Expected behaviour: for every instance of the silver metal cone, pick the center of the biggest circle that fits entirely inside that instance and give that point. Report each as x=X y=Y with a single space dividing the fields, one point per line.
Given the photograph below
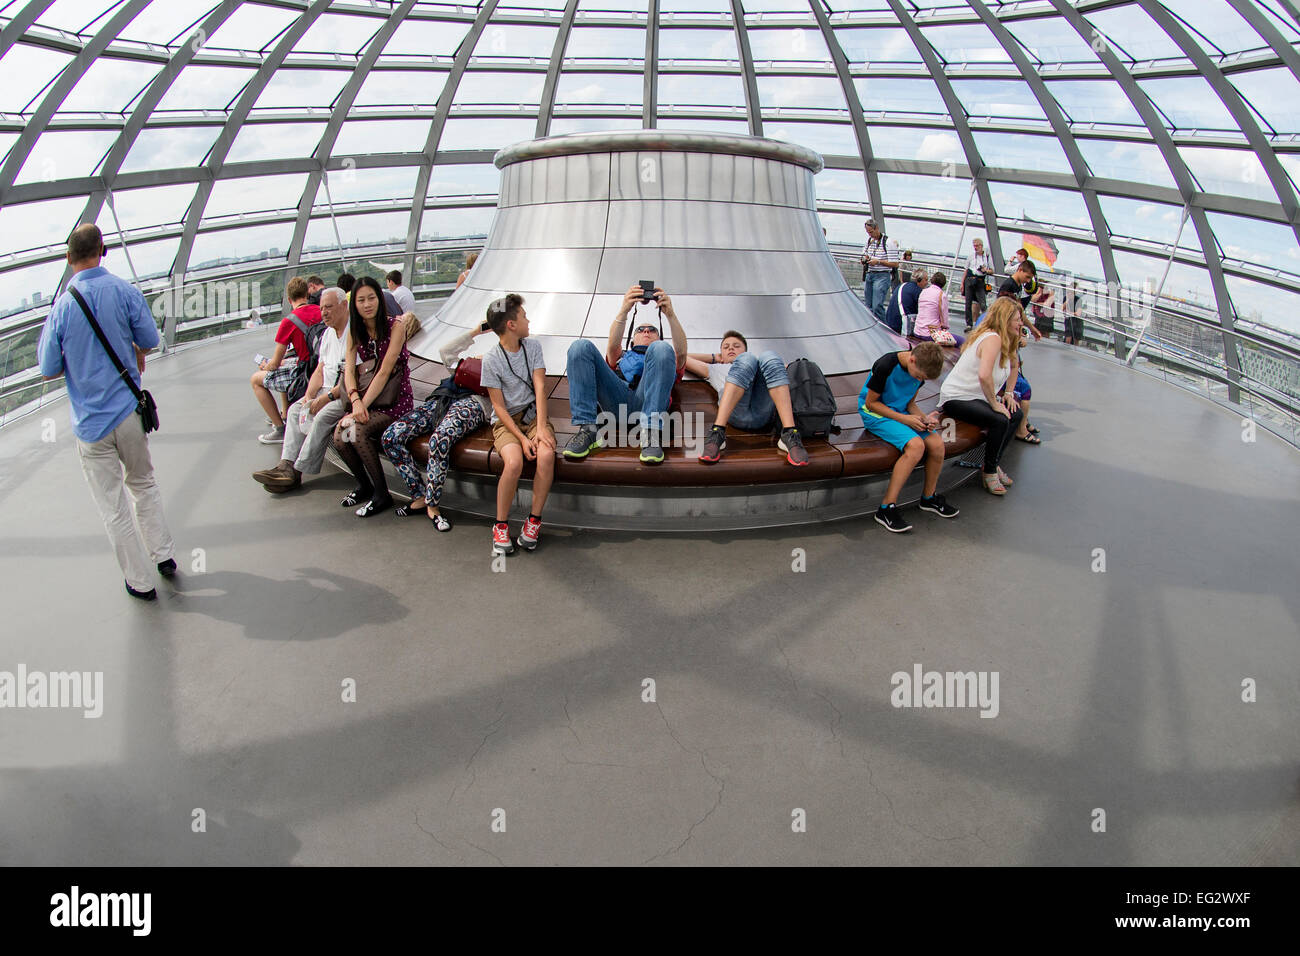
x=726 y=225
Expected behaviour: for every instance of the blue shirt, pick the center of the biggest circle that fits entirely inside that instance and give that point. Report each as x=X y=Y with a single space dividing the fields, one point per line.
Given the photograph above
x=100 y=399
x=895 y=385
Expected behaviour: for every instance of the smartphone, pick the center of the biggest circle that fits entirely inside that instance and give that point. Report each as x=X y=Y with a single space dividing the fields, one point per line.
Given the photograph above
x=647 y=290
x=259 y=358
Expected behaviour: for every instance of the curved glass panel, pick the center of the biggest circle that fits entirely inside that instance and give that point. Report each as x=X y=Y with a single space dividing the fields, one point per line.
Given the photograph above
x=913 y=150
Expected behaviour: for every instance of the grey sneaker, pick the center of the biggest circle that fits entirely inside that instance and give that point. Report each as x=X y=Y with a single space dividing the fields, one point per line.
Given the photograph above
x=792 y=444
x=714 y=445
x=581 y=444
x=274 y=437
x=652 y=454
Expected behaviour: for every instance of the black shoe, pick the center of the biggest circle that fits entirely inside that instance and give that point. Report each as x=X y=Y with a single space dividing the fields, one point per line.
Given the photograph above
x=374 y=506
x=889 y=516
x=714 y=445
x=581 y=444
x=167 y=568
x=355 y=497
x=150 y=595
x=938 y=505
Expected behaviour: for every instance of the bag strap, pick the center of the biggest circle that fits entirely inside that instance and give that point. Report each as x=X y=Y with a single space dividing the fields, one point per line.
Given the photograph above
x=528 y=365
x=103 y=340
x=302 y=327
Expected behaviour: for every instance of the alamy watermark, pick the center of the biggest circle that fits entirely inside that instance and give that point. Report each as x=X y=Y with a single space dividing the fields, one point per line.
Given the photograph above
x=665 y=429
x=207 y=299
x=72 y=690
x=946 y=689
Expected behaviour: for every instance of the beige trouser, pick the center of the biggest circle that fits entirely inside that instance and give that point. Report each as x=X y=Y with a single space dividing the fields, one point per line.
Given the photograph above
x=117 y=464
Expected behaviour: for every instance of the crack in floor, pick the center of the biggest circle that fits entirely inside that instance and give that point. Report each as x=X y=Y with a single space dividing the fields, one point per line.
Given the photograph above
x=717 y=801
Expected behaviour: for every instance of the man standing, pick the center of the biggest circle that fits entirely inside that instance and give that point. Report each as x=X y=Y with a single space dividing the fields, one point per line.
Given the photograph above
x=315 y=286
x=880 y=258
x=978 y=268
x=111 y=440
x=303 y=450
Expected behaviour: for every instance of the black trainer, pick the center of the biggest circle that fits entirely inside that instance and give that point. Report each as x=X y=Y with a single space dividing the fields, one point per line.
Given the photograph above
x=581 y=444
x=892 y=519
x=938 y=505
x=167 y=568
x=714 y=445
x=150 y=595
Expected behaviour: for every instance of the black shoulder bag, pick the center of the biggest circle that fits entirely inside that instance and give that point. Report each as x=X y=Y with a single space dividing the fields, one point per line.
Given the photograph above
x=145 y=407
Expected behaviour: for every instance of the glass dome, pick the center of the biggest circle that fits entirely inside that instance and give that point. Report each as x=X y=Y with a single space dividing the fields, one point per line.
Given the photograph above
x=214 y=136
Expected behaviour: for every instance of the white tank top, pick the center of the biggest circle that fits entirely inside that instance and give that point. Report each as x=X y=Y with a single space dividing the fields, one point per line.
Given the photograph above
x=963 y=382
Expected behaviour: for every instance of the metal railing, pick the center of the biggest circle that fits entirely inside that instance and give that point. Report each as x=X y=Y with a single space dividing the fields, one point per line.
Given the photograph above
x=1256 y=375
x=1253 y=373
x=213 y=304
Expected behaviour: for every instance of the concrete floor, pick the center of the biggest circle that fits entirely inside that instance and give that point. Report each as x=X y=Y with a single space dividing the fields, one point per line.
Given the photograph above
x=522 y=691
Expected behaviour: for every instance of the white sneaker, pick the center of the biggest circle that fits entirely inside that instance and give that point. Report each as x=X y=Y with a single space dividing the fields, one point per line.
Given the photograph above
x=274 y=437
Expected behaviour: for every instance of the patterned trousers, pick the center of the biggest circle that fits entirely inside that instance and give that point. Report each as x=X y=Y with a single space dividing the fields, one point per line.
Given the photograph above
x=463 y=417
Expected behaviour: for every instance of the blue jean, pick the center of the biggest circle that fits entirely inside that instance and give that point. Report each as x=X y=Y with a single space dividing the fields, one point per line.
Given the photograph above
x=593 y=383
x=875 y=292
x=757 y=375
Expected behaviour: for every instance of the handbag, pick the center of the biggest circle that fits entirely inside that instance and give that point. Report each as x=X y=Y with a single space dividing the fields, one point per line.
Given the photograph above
x=469 y=372
x=392 y=388
x=145 y=406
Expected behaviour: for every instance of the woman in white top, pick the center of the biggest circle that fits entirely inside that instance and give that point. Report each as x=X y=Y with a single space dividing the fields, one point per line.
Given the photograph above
x=932 y=314
x=970 y=392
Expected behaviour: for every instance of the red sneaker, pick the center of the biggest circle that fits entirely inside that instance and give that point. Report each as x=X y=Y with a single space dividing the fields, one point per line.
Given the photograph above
x=532 y=529
x=501 y=539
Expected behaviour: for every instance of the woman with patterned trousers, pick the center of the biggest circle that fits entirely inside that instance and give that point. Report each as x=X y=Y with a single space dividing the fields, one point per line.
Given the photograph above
x=464 y=417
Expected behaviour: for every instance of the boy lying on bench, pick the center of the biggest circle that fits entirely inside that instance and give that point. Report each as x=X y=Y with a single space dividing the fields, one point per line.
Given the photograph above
x=752 y=391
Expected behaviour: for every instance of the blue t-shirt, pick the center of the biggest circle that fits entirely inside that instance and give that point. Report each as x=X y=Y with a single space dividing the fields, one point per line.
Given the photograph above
x=100 y=399
x=892 y=382
x=631 y=365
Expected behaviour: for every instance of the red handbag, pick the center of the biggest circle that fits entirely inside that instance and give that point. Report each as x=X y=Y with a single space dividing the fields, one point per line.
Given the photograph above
x=468 y=373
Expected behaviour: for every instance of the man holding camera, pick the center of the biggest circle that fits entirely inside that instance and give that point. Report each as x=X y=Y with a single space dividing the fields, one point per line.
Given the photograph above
x=978 y=268
x=637 y=373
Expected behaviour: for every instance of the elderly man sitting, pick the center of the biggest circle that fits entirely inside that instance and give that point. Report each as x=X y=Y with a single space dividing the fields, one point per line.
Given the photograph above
x=309 y=423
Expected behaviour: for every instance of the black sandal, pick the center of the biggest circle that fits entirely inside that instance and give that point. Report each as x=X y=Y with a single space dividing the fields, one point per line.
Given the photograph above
x=1032 y=429
x=373 y=507
x=354 y=498
x=406 y=511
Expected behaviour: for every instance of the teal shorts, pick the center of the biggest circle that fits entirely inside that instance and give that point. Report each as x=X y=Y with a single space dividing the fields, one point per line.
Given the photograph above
x=896 y=433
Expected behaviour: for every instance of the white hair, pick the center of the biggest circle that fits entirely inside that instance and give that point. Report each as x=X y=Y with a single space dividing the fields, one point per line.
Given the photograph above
x=339 y=294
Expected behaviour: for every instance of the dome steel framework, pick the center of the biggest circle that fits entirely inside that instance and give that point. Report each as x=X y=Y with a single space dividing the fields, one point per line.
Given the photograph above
x=1097 y=123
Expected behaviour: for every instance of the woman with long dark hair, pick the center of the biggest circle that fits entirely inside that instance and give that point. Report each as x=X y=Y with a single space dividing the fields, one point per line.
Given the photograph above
x=380 y=340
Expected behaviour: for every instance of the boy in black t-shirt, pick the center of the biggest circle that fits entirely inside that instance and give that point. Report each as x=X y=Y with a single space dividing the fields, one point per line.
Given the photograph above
x=888 y=408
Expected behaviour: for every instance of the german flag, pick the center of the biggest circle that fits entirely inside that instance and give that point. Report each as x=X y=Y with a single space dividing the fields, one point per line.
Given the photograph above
x=1040 y=248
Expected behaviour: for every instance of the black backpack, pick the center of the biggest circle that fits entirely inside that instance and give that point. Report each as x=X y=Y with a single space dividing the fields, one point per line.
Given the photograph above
x=812 y=400
x=302 y=372
x=444 y=395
